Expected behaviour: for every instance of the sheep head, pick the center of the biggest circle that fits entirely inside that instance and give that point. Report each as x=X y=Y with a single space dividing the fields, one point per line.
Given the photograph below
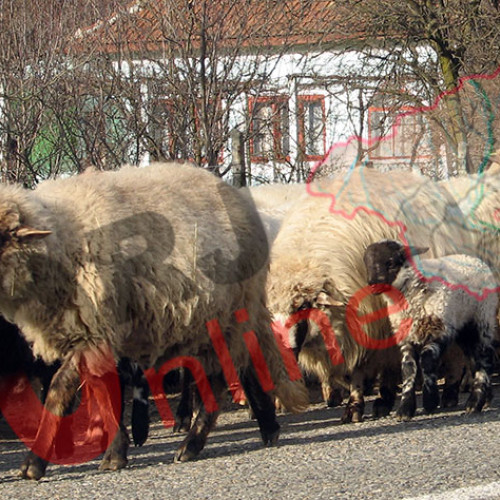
x=13 y=232
x=17 y=243
x=384 y=261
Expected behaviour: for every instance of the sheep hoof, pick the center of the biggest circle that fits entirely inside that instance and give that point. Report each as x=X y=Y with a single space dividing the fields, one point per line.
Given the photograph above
x=403 y=418
x=113 y=464
x=407 y=409
x=475 y=403
x=357 y=417
x=33 y=467
x=346 y=417
x=189 y=450
x=354 y=412
x=270 y=438
x=430 y=399
x=380 y=408
x=115 y=457
x=449 y=399
x=182 y=426
x=334 y=400
x=402 y=415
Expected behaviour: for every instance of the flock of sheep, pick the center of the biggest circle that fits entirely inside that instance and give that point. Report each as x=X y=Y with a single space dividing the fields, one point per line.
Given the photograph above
x=170 y=267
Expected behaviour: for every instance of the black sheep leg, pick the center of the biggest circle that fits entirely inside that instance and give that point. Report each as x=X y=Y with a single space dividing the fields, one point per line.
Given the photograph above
x=482 y=366
x=184 y=413
x=115 y=456
x=203 y=424
x=384 y=403
x=62 y=390
x=430 y=358
x=140 y=406
x=262 y=406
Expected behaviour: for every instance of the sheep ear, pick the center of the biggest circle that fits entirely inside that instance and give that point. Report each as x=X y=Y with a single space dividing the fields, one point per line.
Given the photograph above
x=25 y=234
x=417 y=250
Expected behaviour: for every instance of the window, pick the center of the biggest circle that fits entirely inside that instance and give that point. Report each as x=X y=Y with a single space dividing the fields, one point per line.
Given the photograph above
x=177 y=131
x=311 y=123
x=269 y=128
x=396 y=135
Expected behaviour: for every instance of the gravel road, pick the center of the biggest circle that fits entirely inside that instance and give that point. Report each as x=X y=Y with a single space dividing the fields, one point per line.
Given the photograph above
x=447 y=455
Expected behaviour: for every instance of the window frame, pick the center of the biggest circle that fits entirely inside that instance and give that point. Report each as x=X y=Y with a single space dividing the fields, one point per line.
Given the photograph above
x=275 y=101
x=301 y=100
x=170 y=135
x=392 y=134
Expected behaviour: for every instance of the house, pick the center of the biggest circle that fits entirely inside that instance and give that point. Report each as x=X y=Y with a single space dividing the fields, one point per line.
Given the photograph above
x=282 y=85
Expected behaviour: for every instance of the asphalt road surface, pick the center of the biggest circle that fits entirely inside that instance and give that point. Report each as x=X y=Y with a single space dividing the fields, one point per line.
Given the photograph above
x=444 y=456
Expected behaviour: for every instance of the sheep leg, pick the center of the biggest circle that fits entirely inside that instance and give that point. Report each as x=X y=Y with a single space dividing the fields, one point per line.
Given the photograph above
x=453 y=361
x=140 y=407
x=409 y=369
x=60 y=395
x=429 y=362
x=115 y=457
x=262 y=406
x=203 y=424
x=482 y=367
x=184 y=413
x=331 y=394
x=384 y=403
x=298 y=336
x=356 y=403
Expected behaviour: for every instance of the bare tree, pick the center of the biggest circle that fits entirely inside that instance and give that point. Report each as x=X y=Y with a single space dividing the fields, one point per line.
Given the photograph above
x=196 y=63
x=424 y=49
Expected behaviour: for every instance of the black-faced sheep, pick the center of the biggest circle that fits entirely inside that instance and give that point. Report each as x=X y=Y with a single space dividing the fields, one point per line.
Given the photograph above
x=140 y=263
x=446 y=303
x=317 y=264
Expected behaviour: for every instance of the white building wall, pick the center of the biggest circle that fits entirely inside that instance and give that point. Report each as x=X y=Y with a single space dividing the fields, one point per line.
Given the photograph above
x=297 y=74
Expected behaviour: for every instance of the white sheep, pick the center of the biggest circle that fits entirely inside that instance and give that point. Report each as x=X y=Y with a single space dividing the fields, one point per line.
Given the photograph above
x=141 y=262
x=317 y=263
x=446 y=303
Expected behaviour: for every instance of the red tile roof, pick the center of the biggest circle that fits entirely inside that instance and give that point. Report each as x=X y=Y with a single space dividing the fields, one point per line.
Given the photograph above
x=155 y=25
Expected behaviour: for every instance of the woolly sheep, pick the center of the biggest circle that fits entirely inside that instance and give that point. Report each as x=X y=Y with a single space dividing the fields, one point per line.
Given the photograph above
x=317 y=263
x=140 y=262
x=436 y=313
x=477 y=196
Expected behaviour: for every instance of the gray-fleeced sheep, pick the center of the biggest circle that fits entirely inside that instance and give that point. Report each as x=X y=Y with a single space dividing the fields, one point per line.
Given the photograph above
x=141 y=262
x=446 y=303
